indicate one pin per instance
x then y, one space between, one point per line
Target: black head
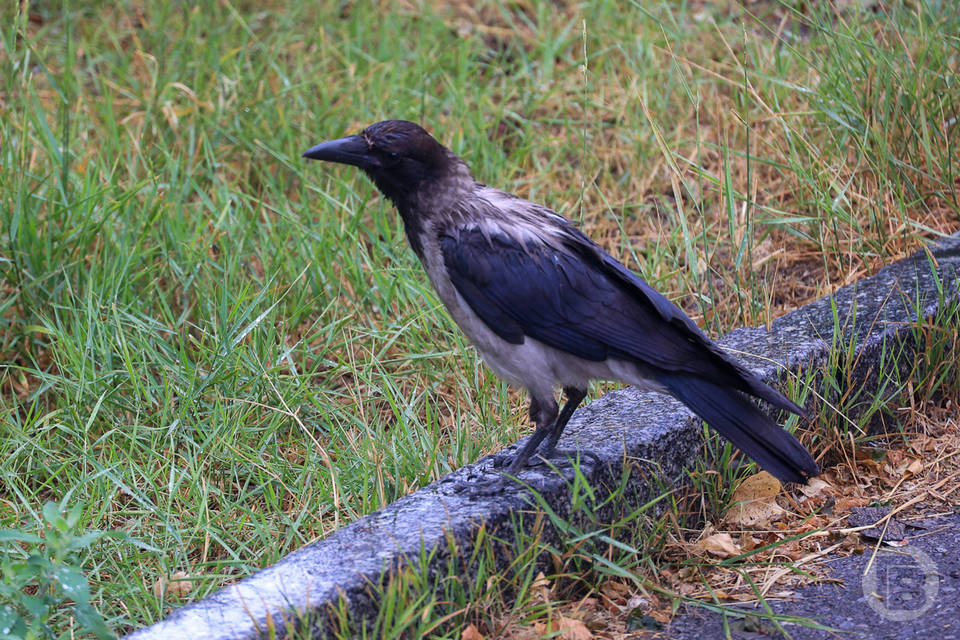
399 156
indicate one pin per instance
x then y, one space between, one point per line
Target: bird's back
519 271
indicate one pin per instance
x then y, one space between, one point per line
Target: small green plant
41 579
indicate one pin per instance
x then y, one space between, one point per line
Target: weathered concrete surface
874 315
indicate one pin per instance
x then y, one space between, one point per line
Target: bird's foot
501 460
493 484
490 476
500 471
552 457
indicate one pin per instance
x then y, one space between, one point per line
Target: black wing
578 299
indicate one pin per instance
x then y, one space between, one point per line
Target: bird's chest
476 330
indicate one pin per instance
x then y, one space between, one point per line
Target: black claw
493 485
580 456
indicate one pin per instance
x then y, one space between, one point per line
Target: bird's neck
413 225
432 199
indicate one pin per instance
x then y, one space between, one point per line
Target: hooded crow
546 306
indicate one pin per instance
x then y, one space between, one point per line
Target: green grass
226 352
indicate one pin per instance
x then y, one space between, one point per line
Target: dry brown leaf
574 629
915 467
471 633
720 545
756 513
742 597
176 585
758 486
814 487
748 542
541 588
845 503
613 589
568 629
613 595
755 501
867 464
662 616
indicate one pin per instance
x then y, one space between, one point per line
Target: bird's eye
394 155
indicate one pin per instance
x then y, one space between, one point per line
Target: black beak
351 150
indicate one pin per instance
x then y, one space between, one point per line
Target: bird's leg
543 413
550 424
574 398
548 450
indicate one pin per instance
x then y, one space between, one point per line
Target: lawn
223 352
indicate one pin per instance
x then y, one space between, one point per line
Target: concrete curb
874 315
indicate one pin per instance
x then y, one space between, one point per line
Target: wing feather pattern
579 300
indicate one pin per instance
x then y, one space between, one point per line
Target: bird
546 307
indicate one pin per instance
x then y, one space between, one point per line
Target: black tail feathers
738 419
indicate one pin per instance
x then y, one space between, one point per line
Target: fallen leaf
757 486
846 503
471 633
176 585
613 594
541 588
565 628
867 460
614 589
720 545
574 629
747 542
814 487
755 501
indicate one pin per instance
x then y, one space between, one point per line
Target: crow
546 306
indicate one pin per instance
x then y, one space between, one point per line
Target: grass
227 352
